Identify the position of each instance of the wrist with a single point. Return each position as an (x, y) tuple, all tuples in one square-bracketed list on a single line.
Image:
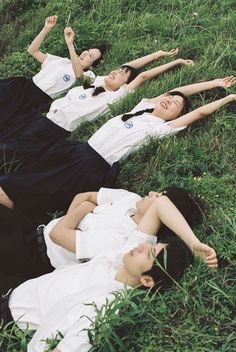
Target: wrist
[(46, 29)]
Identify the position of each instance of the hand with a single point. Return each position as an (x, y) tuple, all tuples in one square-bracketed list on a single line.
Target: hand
[(233, 97), (173, 52), (225, 82), (207, 253), (50, 22), (69, 35), (186, 62)]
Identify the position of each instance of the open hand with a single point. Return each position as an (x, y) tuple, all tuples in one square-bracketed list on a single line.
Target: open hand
[(69, 35), (187, 62), (207, 253), (225, 82), (50, 22)]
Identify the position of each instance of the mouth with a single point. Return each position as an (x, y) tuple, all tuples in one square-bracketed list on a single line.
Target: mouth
[(164, 105), (111, 75)]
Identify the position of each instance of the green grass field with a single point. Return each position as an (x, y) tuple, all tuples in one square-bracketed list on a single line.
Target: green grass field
[(200, 314)]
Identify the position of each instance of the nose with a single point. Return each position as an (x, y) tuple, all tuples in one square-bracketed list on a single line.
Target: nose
[(152, 194)]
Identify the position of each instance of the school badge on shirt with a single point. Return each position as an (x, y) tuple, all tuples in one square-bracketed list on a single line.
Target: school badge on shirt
[(82, 96), (66, 78), (128, 124)]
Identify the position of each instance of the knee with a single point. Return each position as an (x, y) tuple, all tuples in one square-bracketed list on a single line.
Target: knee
[(5, 200)]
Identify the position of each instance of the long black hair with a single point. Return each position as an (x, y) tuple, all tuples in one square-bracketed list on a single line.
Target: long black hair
[(185, 110)]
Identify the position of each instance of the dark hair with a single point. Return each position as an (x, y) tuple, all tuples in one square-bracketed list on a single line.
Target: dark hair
[(185, 109), (133, 72), (170, 263), (103, 48)]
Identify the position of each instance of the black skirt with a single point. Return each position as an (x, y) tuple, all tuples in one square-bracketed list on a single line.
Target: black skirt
[(19, 95), (51, 183), (25, 143)]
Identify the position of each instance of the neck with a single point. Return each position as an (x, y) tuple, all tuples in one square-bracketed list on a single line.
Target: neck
[(137, 218), (159, 116), (107, 87), (124, 276)]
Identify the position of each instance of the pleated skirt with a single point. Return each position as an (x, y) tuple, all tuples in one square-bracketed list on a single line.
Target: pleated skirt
[(50, 183), (19, 95)]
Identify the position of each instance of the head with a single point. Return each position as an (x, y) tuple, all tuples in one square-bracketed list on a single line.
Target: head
[(171, 105), (116, 78), (157, 267), (91, 57)]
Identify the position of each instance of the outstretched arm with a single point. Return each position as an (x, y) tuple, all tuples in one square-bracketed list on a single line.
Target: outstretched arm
[(33, 49), (191, 89), (154, 72), (163, 211), (69, 38), (64, 232), (147, 59), (202, 112)]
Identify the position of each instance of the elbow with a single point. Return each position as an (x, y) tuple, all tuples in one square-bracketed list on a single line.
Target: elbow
[(143, 77), (53, 234)]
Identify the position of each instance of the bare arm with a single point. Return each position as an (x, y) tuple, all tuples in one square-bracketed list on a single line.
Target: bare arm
[(149, 74), (64, 232), (147, 59), (69, 38), (191, 89), (83, 197), (202, 112), (33, 49), (56, 350), (164, 211)]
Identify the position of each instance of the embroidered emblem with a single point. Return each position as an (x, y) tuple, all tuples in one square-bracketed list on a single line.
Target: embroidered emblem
[(83, 96), (129, 124), (66, 78)]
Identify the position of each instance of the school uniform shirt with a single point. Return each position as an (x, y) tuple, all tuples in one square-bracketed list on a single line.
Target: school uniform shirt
[(57, 75), (40, 300), (116, 139), (79, 105), (108, 227)]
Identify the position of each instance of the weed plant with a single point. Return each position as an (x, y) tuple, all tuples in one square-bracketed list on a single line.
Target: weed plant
[(200, 314)]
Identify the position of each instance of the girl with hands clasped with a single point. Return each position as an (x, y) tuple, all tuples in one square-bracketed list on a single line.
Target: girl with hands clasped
[(70, 168), (20, 94)]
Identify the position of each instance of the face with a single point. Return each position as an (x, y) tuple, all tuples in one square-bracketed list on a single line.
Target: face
[(144, 203), (141, 258), (88, 57), (168, 107), (117, 78)]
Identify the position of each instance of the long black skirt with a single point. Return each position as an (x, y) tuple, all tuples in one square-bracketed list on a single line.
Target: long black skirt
[(25, 143), (19, 95), (51, 183)]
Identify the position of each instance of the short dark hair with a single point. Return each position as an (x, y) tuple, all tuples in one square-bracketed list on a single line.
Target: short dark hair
[(133, 72), (187, 103), (169, 264)]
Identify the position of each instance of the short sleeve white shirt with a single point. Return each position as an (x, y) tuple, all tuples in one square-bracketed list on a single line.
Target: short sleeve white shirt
[(108, 227), (79, 105), (125, 137), (56, 75)]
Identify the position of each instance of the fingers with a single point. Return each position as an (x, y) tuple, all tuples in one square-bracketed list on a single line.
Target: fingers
[(174, 51), (229, 81), (51, 20), (189, 62), (68, 30)]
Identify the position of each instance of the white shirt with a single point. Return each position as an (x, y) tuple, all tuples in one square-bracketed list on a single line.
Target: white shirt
[(79, 105), (56, 75), (117, 139), (56, 299), (108, 227)]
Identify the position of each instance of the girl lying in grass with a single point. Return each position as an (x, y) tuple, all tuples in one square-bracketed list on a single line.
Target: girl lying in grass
[(73, 167), (95, 222), (20, 94), (61, 301)]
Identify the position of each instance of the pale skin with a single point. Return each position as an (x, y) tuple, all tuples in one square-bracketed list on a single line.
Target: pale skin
[(153, 210)]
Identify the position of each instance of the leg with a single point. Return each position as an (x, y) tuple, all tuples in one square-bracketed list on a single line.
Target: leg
[(5, 200)]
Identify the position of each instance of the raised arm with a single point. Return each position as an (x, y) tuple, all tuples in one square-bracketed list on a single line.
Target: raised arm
[(202, 112), (147, 59), (33, 49), (69, 38), (164, 211), (191, 89), (64, 232), (154, 72)]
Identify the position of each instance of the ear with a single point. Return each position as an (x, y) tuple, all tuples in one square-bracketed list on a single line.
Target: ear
[(147, 281)]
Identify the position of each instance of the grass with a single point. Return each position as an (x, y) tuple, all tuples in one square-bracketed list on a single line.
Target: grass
[(199, 316)]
